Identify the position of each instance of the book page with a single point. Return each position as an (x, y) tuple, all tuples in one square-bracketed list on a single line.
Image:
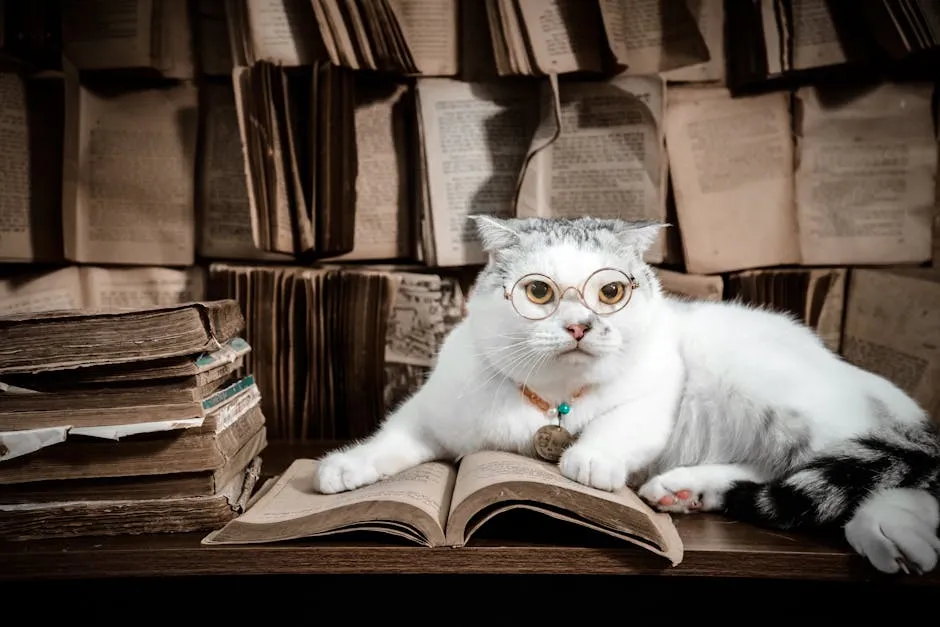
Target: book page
[(695, 286), (815, 39), (487, 468), (475, 139), (383, 201), (30, 168), (709, 16), (134, 195), (731, 162), (137, 288), (224, 211), (534, 187), (426, 487), (889, 314), (865, 180), (563, 35), (44, 291), (652, 36), (109, 34), (430, 30), (283, 32), (608, 161)]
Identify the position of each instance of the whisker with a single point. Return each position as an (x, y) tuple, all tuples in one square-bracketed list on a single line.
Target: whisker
[(510, 362)]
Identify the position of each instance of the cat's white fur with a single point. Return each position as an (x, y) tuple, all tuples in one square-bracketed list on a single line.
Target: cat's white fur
[(656, 363)]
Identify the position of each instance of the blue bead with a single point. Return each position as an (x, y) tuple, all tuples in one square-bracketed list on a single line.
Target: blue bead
[(563, 409)]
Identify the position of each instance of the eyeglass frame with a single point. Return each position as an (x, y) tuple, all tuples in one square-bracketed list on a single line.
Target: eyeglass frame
[(631, 283)]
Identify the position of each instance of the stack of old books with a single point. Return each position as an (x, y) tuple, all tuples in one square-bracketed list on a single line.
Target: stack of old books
[(126, 421)]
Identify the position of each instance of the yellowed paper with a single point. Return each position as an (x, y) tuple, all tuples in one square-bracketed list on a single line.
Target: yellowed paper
[(890, 314), (816, 42), (430, 28), (563, 36), (709, 17), (487, 468), (652, 36), (694, 286), (116, 34), (282, 32), (136, 288), (114, 31), (295, 494), (534, 188), (865, 181), (608, 159), (416, 324), (42, 291), (224, 210), (30, 167), (383, 205), (133, 188), (475, 139), (731, 162)]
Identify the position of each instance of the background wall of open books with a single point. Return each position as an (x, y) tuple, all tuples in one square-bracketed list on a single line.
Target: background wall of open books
[(316, 160)]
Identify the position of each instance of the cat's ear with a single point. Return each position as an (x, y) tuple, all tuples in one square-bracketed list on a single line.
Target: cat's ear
[(641, 235), (495, 233)]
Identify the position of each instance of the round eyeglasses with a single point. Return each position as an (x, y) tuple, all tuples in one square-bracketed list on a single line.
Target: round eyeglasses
[(537, 296)]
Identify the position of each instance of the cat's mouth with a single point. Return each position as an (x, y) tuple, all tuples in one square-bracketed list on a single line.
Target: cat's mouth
[(576, 351)]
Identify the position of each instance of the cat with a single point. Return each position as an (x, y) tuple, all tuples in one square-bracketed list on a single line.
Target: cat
[(701, 406)]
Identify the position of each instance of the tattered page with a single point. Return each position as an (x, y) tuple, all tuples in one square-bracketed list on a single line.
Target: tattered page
[(412, 504), (383, 218), (816, 42), (608, 159), (133, 199), (563, 34), (731, 162), (430, 28), (112, 34), (652, 36), (709, 16), (694, 286), (282, 32), (138, 288), (534, 188), (30, 167), (490, 481), (865, 181), (889, 316), (475, 140), (42, 291), (224, 209)]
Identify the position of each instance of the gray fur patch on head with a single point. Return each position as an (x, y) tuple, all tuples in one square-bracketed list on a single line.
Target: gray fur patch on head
[(508, 240)]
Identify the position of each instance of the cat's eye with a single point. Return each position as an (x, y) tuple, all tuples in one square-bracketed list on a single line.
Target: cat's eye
[(539, 292), (612, 293)]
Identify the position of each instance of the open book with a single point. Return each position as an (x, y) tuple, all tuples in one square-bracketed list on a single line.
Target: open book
[(437, 504), (758, 187)]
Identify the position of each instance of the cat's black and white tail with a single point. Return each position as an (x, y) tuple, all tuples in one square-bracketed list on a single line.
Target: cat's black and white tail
[(883, 488)]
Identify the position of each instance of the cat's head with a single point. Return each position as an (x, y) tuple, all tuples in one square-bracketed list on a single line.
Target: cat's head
[(527, 318)]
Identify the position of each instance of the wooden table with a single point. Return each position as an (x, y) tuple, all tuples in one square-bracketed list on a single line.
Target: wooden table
[(714, 547)]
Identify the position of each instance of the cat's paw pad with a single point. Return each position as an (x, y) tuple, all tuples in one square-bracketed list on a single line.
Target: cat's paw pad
[(339, 472), (679, 491), (895, 538), (593, 467)]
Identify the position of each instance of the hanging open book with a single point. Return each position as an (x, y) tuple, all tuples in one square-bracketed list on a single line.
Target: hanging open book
[(439, 504)]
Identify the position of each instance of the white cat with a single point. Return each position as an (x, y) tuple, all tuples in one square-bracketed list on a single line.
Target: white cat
[(705, 406)]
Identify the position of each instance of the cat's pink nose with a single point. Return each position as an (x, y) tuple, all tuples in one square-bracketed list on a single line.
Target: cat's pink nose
[(577, 331)]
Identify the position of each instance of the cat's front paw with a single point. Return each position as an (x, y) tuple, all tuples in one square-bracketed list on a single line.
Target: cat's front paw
[(343, 471), (593, 467)]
